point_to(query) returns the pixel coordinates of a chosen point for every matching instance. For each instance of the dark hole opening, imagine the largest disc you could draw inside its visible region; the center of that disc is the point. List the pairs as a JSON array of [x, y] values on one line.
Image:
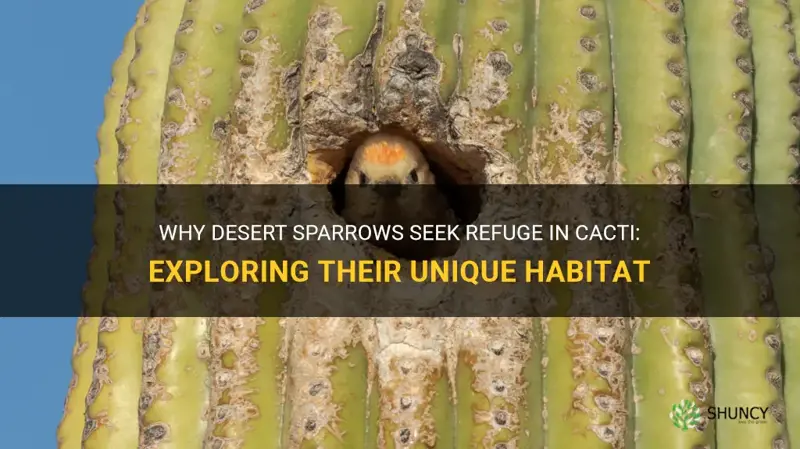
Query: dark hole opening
[[463, 198]]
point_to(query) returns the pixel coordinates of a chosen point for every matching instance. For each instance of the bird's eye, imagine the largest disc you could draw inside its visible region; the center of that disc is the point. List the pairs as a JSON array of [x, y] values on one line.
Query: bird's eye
[[413, 177], [362, 178]]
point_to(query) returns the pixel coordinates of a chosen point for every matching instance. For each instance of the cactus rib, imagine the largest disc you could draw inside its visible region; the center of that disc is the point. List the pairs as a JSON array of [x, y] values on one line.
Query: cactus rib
[[497, 55], [746, 343], [414, 391], [178, 350], [327, 395], [70, 433], [775, 161], [490, 402], [494, 47], [653, 110], [574, 103], [264, 114], [584, 366], [112, 415], [248, 355]]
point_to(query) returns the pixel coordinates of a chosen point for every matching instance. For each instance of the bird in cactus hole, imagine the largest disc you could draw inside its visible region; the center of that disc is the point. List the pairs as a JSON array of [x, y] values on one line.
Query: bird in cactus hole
[[390, 182]]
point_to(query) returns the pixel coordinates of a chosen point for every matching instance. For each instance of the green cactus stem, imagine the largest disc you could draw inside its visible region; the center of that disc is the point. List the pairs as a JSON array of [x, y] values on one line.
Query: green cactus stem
[[492, 401], [671, 357], [496, 49], [574, 101], [264, 114], [414, 391], [250, 381], [248, 352], [487, 54], [70, 432], [584, 365], [328, 393], [747, 368], [177, 377], [651, 83], [112, 415], [776, 160], [547, 91]]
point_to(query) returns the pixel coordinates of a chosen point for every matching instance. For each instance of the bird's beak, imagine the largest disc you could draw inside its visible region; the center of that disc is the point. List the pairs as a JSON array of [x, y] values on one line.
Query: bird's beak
[[388, 189]]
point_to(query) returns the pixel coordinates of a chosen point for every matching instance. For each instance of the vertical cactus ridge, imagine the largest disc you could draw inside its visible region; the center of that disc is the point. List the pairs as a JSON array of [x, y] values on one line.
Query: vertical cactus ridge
[[672, 361], [178, 351], [720, 72], [749, 347], [106, 165], [584, 364], [358, 19], [359, 427], [248, 352], [265, 112], [248, 362], [198, 92], [747, 365], [776, 160], [651, 90], [327, 394], [414, 390], [585, 387], [574, 103], [70, 429], [777, 93], [336, 62], [175, 397], [492, 397], [247, 370], [139, 133], [445, 21], [70, 433], [671, 357], [496, 51], [494, 47], [112, 412]]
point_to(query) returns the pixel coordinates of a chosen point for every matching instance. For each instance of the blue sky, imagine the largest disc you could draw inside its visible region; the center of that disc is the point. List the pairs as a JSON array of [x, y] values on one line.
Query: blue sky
[[56, 67]]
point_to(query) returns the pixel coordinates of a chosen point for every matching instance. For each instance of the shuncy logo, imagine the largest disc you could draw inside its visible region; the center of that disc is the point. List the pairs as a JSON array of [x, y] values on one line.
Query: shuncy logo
[[686, 414]]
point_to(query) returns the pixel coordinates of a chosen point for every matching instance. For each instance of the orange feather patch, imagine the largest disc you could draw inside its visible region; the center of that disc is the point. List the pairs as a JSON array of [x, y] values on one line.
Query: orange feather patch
[[384, 153]]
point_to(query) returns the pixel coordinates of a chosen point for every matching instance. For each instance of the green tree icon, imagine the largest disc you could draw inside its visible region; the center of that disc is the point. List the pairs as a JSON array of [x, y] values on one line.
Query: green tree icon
[[685, 415]]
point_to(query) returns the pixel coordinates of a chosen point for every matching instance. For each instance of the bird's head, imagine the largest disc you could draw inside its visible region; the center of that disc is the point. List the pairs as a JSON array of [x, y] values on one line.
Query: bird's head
[[388, 159]]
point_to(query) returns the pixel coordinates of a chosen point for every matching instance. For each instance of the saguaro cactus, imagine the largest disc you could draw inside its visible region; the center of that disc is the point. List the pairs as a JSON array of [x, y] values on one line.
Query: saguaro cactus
[[658, 92]]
